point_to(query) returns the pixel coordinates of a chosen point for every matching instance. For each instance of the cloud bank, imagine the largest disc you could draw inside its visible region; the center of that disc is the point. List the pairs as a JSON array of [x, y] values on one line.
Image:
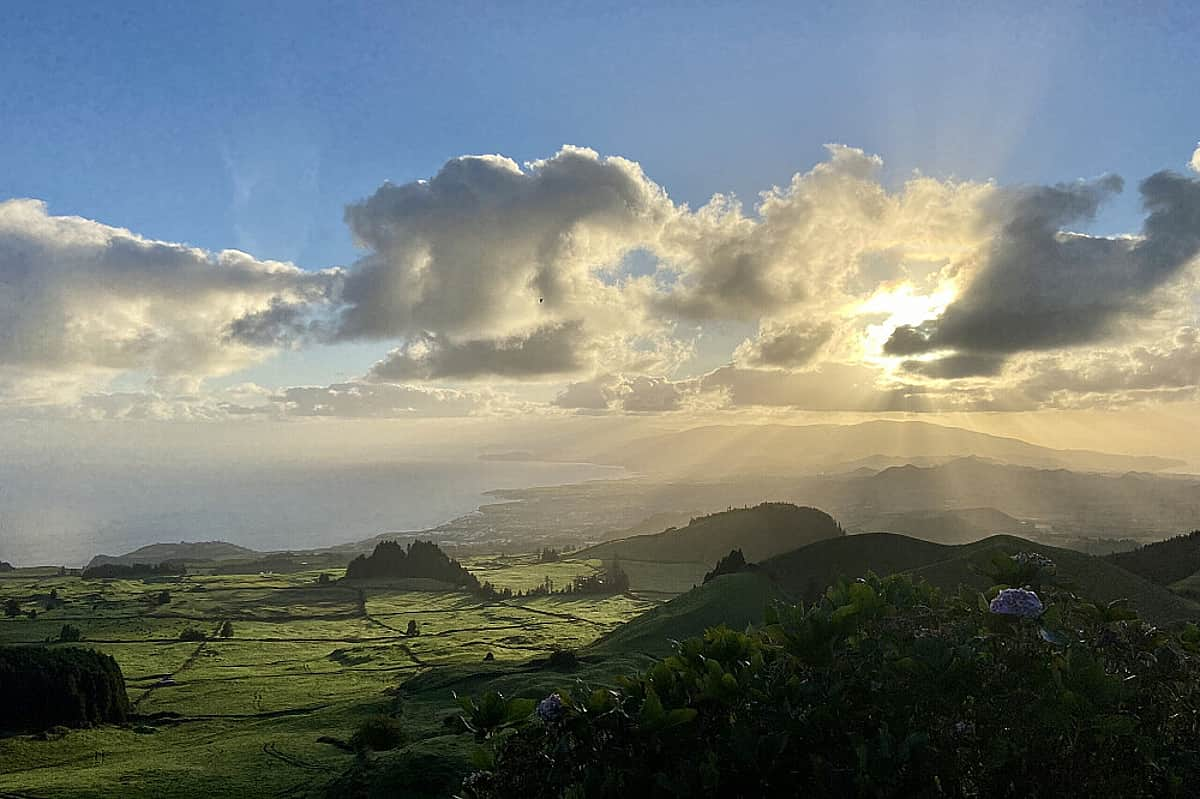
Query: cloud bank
[[579, 271]]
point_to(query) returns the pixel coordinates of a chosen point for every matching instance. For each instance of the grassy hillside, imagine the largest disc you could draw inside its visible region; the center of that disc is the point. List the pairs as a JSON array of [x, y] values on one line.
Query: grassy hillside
[[762, 531], [734, 600], [1163, 562], [809, 569]]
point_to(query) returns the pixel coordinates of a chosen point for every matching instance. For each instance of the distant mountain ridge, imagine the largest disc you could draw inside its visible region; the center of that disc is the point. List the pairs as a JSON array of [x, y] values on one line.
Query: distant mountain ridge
[[183, 551], [722, 450], [760, 532]]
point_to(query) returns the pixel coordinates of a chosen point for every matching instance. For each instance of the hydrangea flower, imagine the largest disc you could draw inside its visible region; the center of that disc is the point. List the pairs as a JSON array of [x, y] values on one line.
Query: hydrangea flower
[[551, 708], [1017, 602]]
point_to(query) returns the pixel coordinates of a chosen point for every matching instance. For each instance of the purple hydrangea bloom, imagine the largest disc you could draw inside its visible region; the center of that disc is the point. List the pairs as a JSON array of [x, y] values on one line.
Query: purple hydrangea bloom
[[1017, 602], [551, 708]]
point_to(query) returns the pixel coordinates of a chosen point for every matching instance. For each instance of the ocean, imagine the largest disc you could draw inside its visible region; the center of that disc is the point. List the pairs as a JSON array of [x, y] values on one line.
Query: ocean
[[64, 515]]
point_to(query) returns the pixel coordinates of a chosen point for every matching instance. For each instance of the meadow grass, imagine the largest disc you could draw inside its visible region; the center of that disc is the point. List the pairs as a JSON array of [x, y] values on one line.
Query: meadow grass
[[241, 715]]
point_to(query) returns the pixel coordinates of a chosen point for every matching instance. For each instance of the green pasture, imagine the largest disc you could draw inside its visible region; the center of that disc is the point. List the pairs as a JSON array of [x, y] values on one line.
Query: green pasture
[[241, 715]]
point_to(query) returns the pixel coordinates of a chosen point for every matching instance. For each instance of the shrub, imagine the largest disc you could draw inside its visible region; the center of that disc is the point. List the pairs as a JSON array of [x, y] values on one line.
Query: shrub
[[70, 633], [378, 733], [882, 688], [192, 634]]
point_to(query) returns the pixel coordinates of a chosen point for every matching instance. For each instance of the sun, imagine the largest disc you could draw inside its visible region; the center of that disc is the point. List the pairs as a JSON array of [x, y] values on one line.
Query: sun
[[894, 306]]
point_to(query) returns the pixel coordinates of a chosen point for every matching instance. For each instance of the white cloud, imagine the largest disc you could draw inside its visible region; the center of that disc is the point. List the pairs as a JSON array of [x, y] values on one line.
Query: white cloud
[[387, 401], [79, 297]]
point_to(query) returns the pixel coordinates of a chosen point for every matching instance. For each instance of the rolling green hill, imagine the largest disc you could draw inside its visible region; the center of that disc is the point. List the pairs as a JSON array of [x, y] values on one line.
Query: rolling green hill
[[1163, 562], [734, 600], [809, 569], [762, 531]]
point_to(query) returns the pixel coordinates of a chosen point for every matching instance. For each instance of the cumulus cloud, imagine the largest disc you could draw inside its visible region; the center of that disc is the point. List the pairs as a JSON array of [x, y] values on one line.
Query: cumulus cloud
[[1040, 288], [579, 267], [954, 367], [552, 349], [384, 401], [1195, 162], [77, 295], [1162, 370], [784, 344], [487, 254], [629, 393]]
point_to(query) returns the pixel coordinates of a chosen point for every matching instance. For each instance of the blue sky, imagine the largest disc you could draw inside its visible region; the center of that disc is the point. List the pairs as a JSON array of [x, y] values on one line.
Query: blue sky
[[155, 117]]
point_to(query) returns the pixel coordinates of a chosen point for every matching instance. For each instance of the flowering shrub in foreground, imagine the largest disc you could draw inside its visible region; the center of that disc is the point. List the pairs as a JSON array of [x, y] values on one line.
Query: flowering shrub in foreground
[[883, 688]]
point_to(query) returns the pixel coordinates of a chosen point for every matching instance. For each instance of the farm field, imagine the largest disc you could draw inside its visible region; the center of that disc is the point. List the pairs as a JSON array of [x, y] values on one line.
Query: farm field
[[241, 715]]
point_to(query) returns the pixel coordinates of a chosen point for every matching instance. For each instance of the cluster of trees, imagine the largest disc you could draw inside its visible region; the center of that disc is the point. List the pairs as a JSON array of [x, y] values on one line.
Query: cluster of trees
[[133, 571], [549, 555], [882, 688], [44, 687], [608, 581], [732, 563], [392, 560]]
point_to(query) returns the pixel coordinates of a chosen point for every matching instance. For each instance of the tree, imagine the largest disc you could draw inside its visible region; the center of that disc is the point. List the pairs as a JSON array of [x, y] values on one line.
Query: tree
[[163, 598], [732, 563], [414, 629], [41, 687], [226, 629], [191, 633], [12, 608], [70, 633]]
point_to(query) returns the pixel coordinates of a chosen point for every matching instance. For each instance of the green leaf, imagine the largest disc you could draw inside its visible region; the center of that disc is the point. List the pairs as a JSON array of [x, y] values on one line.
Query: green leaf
[[652, 710]]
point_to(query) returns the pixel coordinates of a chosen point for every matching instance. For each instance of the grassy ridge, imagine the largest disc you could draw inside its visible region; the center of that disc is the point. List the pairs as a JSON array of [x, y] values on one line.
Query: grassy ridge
[[810, 568], [762, 531]]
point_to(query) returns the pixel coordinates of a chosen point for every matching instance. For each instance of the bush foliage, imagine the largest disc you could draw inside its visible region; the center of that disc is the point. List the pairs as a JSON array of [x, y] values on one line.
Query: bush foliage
[[44, 687], [884, 687]]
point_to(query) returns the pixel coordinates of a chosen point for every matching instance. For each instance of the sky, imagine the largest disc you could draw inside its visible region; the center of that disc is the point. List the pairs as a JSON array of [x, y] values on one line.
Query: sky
[[280, 212]]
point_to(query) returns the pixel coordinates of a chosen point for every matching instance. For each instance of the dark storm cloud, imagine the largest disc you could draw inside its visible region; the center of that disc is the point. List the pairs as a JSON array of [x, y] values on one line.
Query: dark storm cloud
[[953, 367], [1040, 288], [553, 349]]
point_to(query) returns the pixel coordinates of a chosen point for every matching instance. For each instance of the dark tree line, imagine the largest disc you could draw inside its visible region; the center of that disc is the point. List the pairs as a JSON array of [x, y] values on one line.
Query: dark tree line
[[732, 563], [44, 687], [608, 581], [133, 571], [419, 559]]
